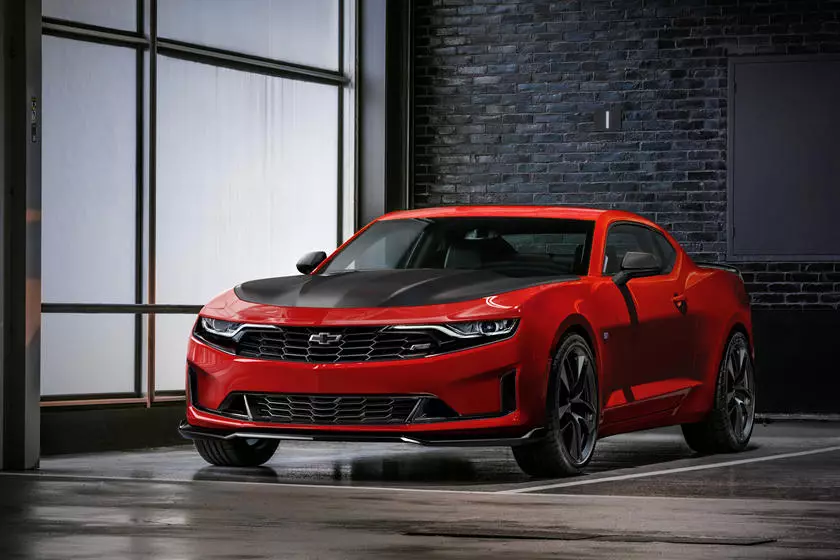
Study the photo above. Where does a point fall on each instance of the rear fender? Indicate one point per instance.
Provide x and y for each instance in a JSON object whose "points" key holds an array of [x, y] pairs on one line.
{"points": [[699, 402], [738, 321]]}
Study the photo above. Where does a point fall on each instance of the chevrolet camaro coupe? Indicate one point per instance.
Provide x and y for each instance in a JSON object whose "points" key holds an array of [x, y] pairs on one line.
{"points": [[538, 328]]}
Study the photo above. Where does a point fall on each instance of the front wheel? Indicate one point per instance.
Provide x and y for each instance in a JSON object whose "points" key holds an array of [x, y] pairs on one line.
{"points": [[236, 452], [729, 425], [573, 405]]}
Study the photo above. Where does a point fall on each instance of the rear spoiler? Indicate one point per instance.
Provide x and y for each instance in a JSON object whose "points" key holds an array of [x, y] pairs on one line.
{"points": [[720, 266]]}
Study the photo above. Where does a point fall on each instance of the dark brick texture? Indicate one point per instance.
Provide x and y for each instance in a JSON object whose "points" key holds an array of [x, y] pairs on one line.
{"points": [[505, 95]]}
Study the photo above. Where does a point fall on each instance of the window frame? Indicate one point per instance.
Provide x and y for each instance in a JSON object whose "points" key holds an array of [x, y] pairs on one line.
{"points": [[732, 71], [662, 236], [148, 45]]}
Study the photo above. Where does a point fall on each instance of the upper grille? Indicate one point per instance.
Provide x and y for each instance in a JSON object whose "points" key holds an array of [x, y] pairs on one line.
{"points": [[320, 345], [327, 410]]}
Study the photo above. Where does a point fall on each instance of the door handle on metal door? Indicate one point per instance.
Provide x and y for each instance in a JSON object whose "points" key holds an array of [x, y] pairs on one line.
{"points": [[680, 302]]}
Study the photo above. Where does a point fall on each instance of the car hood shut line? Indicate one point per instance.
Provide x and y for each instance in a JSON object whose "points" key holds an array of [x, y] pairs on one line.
{"points": [[385, 288]]}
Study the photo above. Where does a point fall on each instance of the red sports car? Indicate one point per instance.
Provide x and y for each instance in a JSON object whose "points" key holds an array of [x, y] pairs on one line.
{"points": [[538, 328]]}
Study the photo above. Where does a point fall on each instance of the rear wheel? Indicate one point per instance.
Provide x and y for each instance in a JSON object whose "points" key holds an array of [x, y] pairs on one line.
{"points": [[572, 415], [236, 452], [729, 425]]}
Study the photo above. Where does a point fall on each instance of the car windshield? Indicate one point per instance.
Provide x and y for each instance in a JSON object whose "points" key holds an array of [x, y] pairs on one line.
{"points": [[518, 247]]}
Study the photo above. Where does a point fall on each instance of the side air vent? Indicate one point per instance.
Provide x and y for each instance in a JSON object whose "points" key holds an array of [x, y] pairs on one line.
{"points": [[435, 410], [508, 392]]}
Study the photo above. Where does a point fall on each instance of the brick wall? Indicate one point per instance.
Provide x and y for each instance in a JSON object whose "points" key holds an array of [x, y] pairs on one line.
{"points": [[505, 94]]}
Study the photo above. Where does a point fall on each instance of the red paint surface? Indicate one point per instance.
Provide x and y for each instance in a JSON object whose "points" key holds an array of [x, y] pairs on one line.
{"points": [[667, 362], [617, 398]]}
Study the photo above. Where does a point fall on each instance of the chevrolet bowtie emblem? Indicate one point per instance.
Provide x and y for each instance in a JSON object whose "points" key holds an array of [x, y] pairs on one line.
{"points": [[324, 338]]}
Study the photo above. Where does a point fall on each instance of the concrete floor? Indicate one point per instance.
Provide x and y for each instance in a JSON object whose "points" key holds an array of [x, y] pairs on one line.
{"points": [[645, 495]]}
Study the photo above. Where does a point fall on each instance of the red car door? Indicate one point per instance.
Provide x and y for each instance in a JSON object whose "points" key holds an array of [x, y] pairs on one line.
{"points": [[661, 362]]}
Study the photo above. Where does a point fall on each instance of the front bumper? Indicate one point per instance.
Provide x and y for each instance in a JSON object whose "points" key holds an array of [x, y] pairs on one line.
{"points": [[468, 381]]}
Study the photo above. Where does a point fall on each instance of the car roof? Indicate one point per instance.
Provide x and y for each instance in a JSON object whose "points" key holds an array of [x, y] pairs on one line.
{"points": [[523, 211]]}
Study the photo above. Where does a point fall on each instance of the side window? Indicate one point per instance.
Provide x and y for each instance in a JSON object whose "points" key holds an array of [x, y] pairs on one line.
{"points": [[666, 252], [386, 252], [622, 238]]}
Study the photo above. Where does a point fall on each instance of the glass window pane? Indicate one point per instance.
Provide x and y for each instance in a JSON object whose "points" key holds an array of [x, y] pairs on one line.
{"points": [[118, 14], [666, 253], [247, 177], [88, 172], [83, 354], [303, 32], [172, 332], [621, 239]]}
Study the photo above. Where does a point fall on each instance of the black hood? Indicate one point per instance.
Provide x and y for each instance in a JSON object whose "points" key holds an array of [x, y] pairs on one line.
{"points": [[384, 288]]}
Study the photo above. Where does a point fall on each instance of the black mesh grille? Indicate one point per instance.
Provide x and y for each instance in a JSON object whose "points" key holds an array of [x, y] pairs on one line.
{"points": [[334, 345], [330, 409]]}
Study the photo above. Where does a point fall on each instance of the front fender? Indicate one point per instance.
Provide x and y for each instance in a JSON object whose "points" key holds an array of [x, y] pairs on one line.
{"points": [[546, 318]]}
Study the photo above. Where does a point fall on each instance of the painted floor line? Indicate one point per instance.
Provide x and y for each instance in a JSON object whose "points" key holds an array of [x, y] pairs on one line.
{"points": [[396, 489], [593, 479], [97, 478], [677, 470]]}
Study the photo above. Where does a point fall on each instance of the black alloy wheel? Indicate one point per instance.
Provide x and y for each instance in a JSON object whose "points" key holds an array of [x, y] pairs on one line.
{"points": [[573, 409], [729, 425]]}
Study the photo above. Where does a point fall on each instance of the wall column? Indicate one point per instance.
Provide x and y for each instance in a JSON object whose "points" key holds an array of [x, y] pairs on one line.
{"points": [[20, 218], [385, 101]]}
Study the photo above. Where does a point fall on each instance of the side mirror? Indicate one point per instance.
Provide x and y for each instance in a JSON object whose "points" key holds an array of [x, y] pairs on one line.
{"points": [[637, 265], [310, 261]]}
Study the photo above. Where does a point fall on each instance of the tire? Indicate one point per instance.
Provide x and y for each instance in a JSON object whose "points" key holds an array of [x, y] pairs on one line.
{"points": [[236, 452], [729, 425], [573, 409]]}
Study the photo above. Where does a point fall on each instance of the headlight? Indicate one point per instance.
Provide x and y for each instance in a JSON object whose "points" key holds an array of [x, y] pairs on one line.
{"points": [[478, 332], [499, 327], [218, 327]]}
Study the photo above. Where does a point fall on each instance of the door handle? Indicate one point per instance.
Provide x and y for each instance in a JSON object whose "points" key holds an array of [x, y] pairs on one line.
{"points": [[680, 302]]}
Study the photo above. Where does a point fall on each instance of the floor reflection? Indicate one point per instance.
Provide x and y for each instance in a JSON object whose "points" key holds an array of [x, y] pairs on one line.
{"points": [[422, 467], [232, 474], [98, 508], [371, 463], [415, 468], [460, 467]]}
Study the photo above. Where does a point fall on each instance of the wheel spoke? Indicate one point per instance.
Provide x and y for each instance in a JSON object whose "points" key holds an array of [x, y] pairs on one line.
{"points": [[731, 372], [741, 371], [563, 410], [564, 416], [574, 444], [587, 428], [565, 377], [731, 403], [745, 414], [584, 431], [580, 377], [738, 424], [586, 406], [742, 394]]}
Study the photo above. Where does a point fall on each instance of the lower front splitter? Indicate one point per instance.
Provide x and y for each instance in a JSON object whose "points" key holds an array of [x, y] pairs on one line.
{"points": [[427, 439]]}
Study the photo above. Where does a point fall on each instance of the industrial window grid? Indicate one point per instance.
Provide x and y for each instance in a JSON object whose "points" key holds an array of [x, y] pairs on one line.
{"points": [[150, 42]]}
